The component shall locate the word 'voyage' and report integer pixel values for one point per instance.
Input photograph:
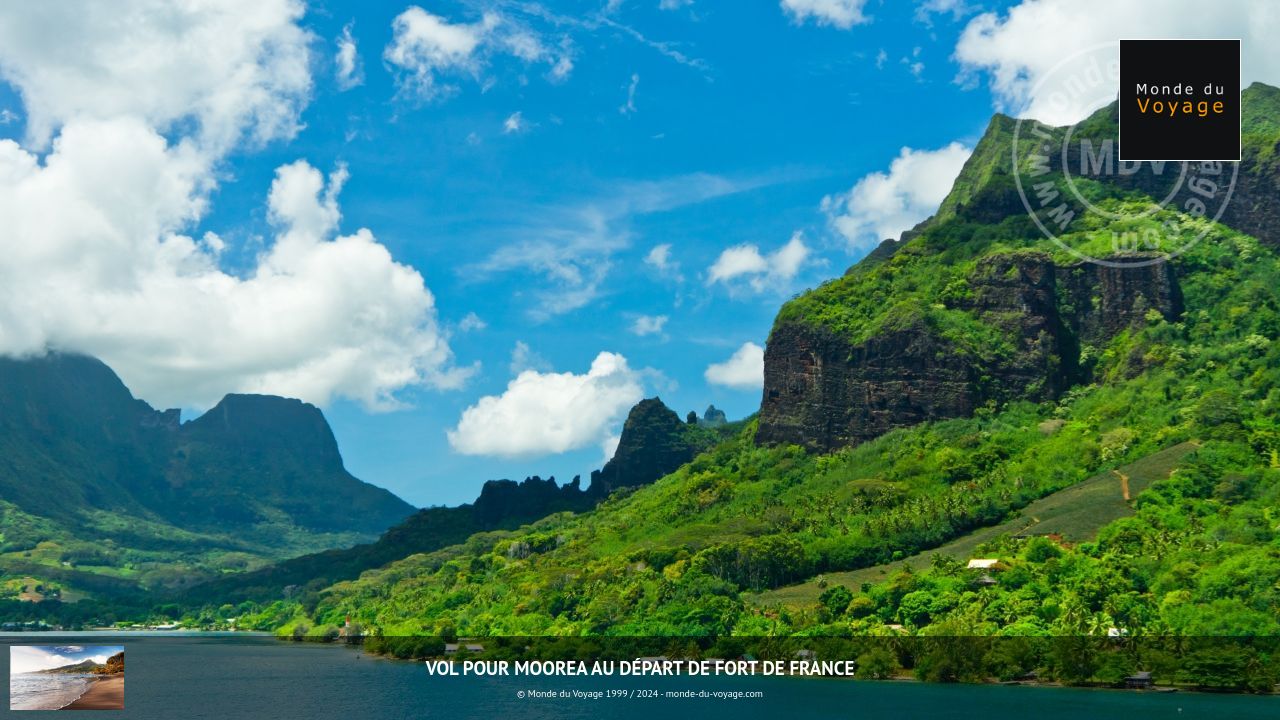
(1174, 105)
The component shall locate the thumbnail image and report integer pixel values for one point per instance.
(66, 677)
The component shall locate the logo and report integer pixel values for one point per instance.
(1096, 202)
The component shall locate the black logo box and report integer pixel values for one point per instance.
(1190, 64)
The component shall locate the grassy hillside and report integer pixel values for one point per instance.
(677, 557)
(1194, 552)
(101, 495)
(1071, 515)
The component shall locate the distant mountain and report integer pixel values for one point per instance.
(84, 667)
(91, 477)
(654, 442)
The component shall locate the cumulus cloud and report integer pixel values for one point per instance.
(648, 325)
(348, 70)
(760, 271)
(744, 370)
(514, 123)
(882, 205)
(843, 14)
(429, 52)
(1017, 50)
(234, 68)
(426, 46)
(96, 255)
(546, 412)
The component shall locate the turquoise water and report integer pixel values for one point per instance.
(241, 677)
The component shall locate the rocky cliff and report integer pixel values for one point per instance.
(969, 307)
(654, 442)
(824, 392)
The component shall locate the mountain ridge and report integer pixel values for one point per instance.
(92, 477)
(1185, 356)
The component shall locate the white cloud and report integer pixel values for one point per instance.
(8, 116)
(609, 446)
(429, 52)
(523, 358)
(882, 205)
(32, 658)
(955, 8)
(744, 370)
(542, 413)
(648, 325)
(629, 106)
(562, 69)
(881, 58)
(425, 46)
(843, 14)
(235, 68)
(914, 64)
(673, 4)
(761, 271)
(471, 322)
(659, 256)
(513, 124)
(95, 257)
(348, 70)
(1018, 50)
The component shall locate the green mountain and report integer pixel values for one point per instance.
(942, 386)
(654, 442)
(101, 493)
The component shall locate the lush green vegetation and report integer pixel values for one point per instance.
(102, 495)
(1198, 553)
(1195, 552)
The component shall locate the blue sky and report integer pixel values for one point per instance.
(32, 658)
(700, 128)
(477, 231)
(789, 113)
(634, 187)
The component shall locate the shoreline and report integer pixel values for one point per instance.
(105, 693)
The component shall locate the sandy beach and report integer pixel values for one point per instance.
(104, 694)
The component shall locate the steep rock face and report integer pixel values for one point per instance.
(1103, 300)
(823, 392)
(654, 442)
